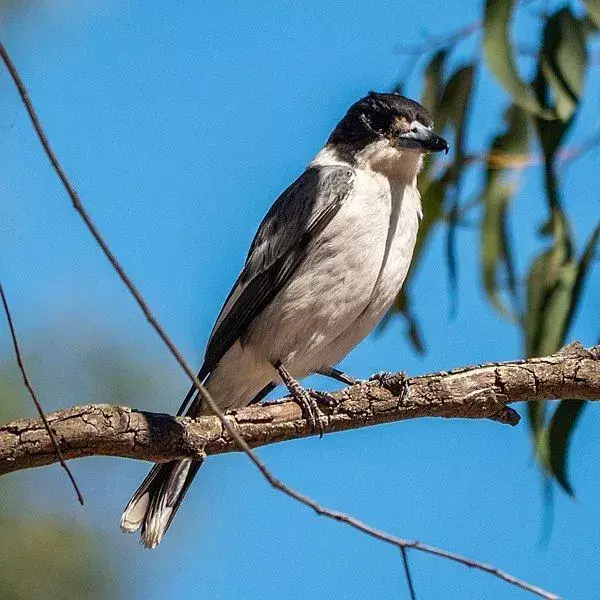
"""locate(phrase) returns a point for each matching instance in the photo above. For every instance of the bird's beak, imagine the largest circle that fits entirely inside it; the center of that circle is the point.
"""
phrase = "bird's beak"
(422, 138)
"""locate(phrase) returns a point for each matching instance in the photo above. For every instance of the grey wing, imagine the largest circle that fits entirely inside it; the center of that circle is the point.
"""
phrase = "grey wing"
(279, 247)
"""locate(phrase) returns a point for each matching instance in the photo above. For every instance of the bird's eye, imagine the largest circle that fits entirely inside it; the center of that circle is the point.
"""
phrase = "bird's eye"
(414, 130)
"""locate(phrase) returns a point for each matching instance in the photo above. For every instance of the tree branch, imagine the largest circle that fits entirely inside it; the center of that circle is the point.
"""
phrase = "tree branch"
(476, 392)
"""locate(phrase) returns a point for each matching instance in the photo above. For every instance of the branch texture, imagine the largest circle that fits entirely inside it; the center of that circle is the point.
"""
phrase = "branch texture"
(475, 392)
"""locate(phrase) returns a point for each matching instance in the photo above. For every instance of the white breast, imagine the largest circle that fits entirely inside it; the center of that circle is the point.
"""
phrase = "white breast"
(338, 295)
(403, 220)
(348, 282)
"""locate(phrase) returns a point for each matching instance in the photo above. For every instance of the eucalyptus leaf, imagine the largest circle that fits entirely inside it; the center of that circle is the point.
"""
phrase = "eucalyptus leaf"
(556, 296)
(413, 332)
(556, 310)
(496, 251)
(434, 83)
(432, 97)
(582, 271)
(494, 241)
(498, 54)
(563, 60)
(537, 284)
(454, 110)
(456, 95)
(555, 285)
(593, 9)
(432, 201)
(549, 293)
(560, 432)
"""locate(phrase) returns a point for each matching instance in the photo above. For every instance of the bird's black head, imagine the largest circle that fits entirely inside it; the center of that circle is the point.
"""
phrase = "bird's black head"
(391, 118)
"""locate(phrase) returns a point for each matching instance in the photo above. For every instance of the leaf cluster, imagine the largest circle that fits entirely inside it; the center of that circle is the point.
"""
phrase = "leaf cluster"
(540, 112)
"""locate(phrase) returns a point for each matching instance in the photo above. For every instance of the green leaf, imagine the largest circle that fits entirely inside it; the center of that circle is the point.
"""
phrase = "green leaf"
(559, 78)
(533, 324)
(563, 60)
(515, 140)
(433, 85)
(454, 103)
(498, 53)
(432, 98)
(495, 247)
(432, 200)
(454, 110)
(555, 284)
(557, 309)
(404, 307)
(496, 251)
(549, 296)
(593, 9)
(582, 271)
(560, 431)
(553, 443)
(537, 285)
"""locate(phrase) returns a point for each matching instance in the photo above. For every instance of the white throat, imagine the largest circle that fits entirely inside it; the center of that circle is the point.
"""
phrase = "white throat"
(401, 166)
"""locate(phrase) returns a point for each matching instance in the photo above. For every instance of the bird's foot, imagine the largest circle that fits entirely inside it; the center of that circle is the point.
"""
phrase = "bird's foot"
(309, 405)
(303, 397)
(324, 398)
(396, 383)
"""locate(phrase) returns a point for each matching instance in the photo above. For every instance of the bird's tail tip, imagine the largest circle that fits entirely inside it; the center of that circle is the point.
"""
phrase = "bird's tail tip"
(154, 504)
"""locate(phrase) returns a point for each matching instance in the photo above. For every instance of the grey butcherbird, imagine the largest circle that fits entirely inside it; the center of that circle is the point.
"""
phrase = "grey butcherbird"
(326, 263)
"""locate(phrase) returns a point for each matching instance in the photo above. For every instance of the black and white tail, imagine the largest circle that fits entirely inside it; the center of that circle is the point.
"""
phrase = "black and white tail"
(154, 504)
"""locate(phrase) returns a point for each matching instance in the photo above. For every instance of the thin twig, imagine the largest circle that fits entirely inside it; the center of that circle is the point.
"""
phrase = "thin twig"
(432, 43)
(575, 152)
(33, 395)
(411, 587)
(520, 161)
(276, 483)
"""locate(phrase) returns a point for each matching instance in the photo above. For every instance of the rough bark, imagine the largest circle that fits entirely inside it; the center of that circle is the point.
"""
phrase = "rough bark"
(474, 392)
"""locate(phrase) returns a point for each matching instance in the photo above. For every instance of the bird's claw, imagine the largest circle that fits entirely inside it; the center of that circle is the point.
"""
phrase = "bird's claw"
(310, 408)
(396, 383)
(308, 400)
(382, 376)
(324, 398)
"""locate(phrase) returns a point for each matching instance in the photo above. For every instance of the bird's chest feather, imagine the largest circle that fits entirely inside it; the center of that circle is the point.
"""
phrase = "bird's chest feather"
(364, 254)
(382, 219)
(349, 279)
(403, 212)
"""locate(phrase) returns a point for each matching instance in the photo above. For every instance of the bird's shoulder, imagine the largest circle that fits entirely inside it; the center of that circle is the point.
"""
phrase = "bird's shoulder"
(318, 188)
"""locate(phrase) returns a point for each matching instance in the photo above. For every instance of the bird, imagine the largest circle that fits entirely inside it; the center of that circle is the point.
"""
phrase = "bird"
(324, 267)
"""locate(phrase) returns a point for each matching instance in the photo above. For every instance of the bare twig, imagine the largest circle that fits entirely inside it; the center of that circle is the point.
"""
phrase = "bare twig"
(432, 43)
(576, 151)
(409, 581)
(33, 395)
(276, 483)
(520, 161)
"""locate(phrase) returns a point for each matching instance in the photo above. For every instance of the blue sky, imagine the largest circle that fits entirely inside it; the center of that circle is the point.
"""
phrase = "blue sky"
(179, 127)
